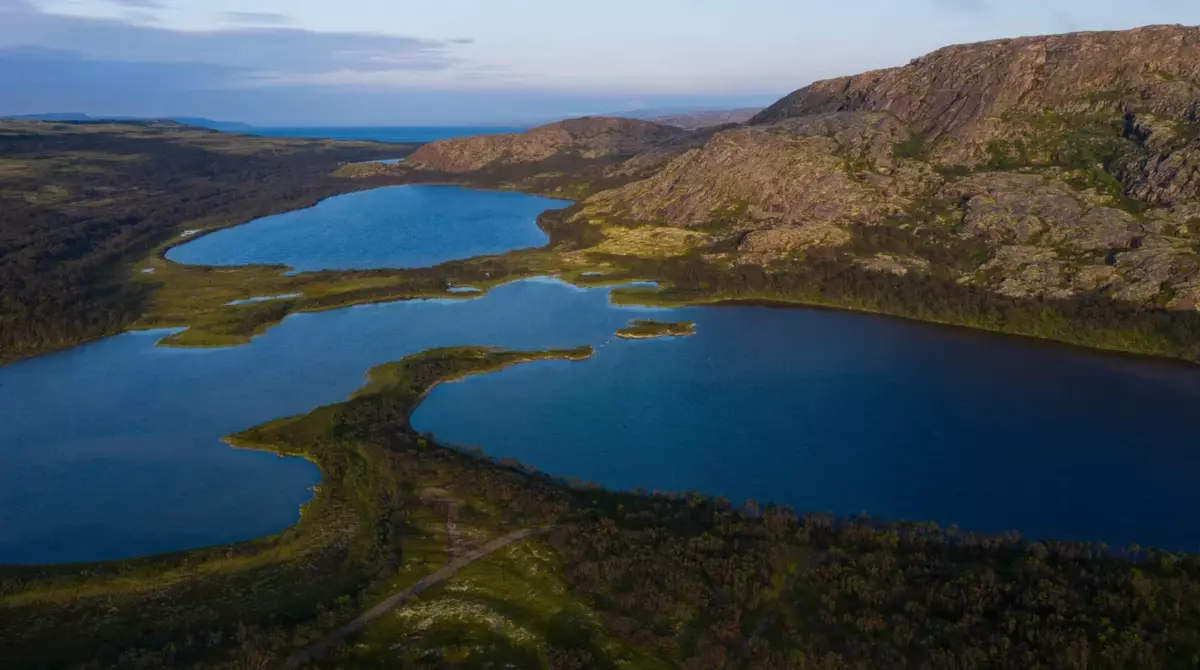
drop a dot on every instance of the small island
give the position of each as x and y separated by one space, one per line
645 329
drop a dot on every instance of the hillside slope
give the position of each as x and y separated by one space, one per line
1061 172
1067 164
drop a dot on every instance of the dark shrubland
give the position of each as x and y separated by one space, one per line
80 202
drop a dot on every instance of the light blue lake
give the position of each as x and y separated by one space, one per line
394 227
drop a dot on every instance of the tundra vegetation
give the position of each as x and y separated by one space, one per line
616 580
1041 186
645 329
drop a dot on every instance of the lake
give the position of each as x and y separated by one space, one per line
394 227
112 449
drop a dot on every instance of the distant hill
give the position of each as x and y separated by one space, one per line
706 119
199 122
60 116
594 138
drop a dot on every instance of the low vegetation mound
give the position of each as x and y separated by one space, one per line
646 329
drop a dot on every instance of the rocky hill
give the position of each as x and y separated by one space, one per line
960 98
1061 168
588 138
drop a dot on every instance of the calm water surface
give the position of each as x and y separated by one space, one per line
395 227
829 411
112 449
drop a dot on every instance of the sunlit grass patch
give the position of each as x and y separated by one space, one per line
648 241
14 168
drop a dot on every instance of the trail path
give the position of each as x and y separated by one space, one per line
310 654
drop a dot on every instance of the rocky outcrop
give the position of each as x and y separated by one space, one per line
1167 170
790 239
588 138
962 97
1003 208
825 169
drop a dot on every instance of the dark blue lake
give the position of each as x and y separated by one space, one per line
112 449
395 227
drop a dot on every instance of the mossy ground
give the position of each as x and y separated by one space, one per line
511 607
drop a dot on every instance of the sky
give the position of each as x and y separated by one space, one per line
484 62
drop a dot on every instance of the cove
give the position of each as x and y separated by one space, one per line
850 413
392 227
112 449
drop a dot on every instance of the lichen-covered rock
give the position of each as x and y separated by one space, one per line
1187 295
790 239
800 172
893 264
1156 266
1168 171
1005 208
1021 271
586 138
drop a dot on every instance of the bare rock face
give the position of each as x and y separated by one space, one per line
826 169
1168 170
1004 208
959 97
587 138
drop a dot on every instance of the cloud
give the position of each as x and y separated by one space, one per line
263 50
965 6
256 18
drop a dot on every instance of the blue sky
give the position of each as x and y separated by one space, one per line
429 62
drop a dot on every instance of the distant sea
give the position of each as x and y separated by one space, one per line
382 133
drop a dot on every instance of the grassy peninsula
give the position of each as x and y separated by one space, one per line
648 329
589 579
